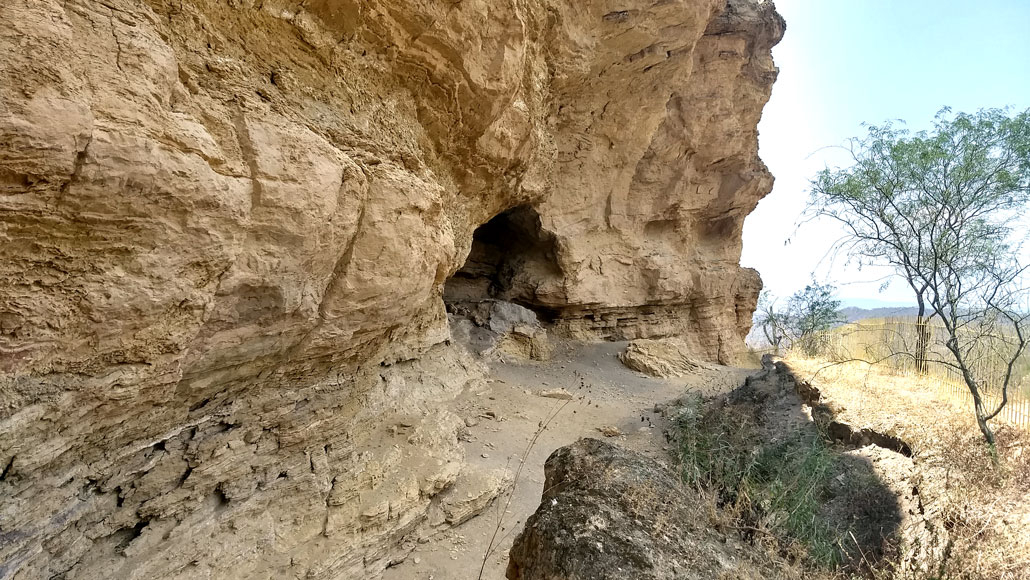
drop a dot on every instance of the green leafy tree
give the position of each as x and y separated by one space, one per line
941 208
808 314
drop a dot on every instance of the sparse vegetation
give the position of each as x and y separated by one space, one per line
826 510
941 208
983 509
784 490
808 314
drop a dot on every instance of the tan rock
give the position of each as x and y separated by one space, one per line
561 394
522 344
665 357
471 494
227 229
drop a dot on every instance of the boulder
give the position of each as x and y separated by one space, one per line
666 357
608 513
507 316
499 330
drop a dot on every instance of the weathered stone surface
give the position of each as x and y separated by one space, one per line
499 330
227 227
609 513
505 317
470 495
665 357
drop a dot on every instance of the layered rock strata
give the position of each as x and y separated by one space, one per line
667 357
227 227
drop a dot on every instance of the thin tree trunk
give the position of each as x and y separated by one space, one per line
981 418
922 338
974 390
980 411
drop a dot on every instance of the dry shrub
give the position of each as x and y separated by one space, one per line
984 508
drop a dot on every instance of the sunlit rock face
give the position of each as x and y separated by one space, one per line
228 225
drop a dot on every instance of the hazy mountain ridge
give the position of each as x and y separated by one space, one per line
854 313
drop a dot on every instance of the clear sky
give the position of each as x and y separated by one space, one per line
845 62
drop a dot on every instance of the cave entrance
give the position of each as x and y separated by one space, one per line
512 259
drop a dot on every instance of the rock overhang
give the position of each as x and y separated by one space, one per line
220 218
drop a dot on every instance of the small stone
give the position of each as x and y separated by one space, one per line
556 394
471 421
485 455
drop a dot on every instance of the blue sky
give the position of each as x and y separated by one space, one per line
843 63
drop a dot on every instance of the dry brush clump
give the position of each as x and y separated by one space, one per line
985 506
780 483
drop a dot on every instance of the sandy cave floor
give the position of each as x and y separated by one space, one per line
505 415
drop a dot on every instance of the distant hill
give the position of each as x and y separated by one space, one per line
756 339
854 314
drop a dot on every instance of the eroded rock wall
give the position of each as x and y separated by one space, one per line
226 226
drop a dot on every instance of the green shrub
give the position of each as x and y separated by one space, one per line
783 488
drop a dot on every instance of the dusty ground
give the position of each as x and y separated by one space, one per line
506 415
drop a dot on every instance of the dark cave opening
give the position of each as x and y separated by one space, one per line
512 259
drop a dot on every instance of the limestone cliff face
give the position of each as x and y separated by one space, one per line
227 227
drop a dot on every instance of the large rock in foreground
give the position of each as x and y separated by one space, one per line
611 514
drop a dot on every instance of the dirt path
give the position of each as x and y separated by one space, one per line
504 417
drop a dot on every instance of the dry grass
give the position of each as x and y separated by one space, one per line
788 492
985 509
890 342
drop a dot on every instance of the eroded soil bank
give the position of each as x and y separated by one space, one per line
765 475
